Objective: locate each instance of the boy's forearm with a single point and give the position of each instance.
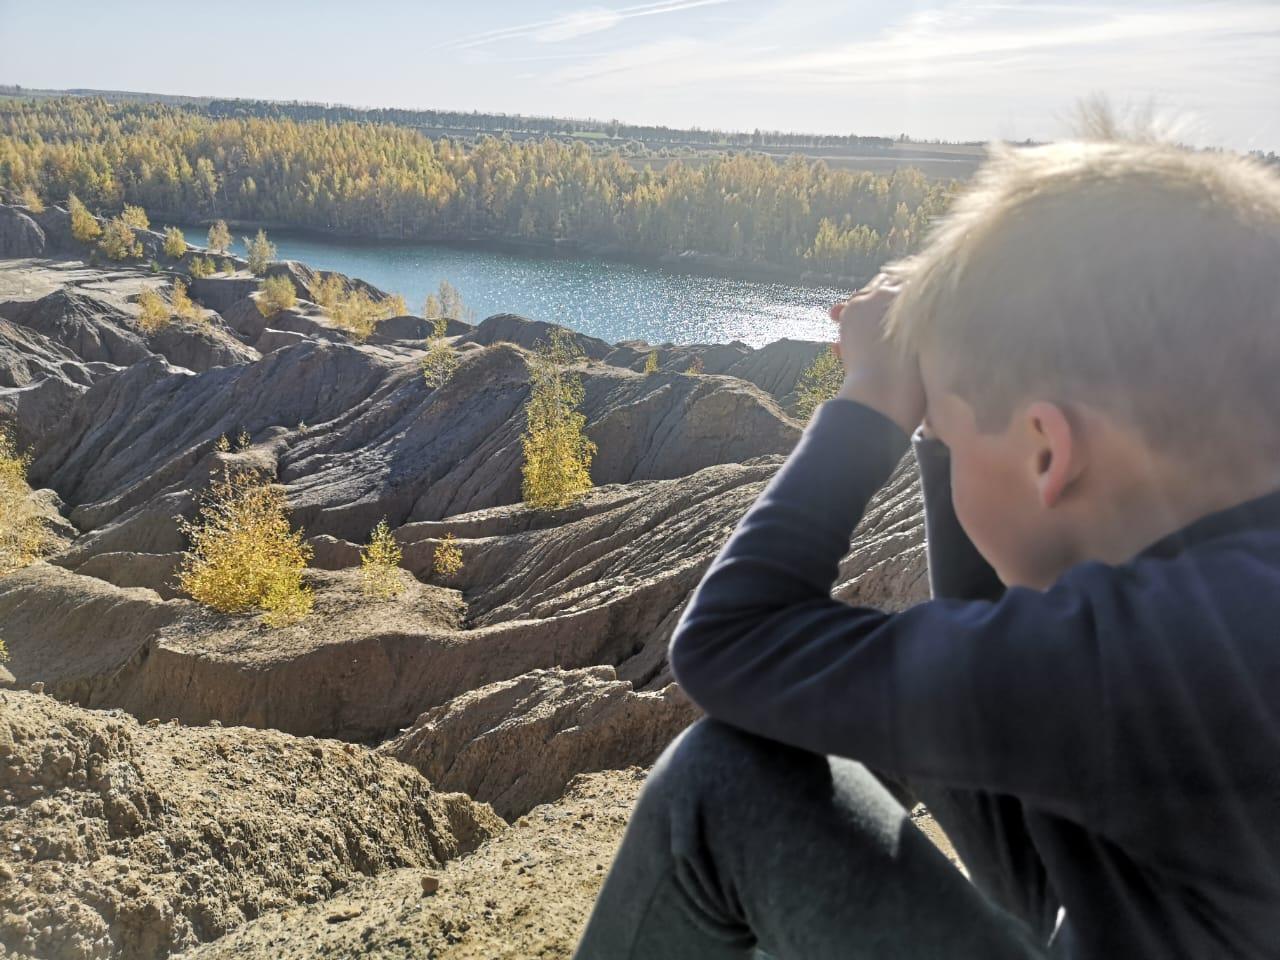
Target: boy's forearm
(788, 546)
(956, 569)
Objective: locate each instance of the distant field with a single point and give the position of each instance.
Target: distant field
(937, 161)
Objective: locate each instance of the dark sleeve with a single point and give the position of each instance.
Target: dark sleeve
(956, 568)
(966, 693)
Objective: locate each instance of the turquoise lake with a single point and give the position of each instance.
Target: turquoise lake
(606, 299)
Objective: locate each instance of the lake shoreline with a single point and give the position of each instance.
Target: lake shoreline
(692, 262)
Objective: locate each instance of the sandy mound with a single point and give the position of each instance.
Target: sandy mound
(526, 893)
(122, 840)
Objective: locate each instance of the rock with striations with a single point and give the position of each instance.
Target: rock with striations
(776, 367)
(27, 356)
(20, 235)
(714, 357)
(513, 328)
(517, 743)
(89, 326)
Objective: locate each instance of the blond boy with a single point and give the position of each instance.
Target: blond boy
(1090, 350)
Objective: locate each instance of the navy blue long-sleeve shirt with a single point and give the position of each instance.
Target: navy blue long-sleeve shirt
(1132, 710)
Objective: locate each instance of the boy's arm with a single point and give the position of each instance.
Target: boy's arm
(1002, 696)
(956, 568)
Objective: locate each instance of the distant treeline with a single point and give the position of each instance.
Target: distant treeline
(481, 122)
(389, 181)
(549, 126)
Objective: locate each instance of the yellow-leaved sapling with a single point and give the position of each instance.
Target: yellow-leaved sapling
(380, 564)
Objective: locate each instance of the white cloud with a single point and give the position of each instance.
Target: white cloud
(579, 23)
(973, 61)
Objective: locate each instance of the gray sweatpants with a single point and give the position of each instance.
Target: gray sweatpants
(743, 847)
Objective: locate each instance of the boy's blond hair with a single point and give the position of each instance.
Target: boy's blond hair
(1134, 276)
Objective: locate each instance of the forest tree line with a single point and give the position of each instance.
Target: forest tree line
(479, 121)
(387, 181)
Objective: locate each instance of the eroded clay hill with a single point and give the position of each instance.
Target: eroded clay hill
(541, 660)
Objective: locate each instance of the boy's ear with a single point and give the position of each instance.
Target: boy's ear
(1058, 455)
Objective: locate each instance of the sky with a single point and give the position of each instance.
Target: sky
(928, 68)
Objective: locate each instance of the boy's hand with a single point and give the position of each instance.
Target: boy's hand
(876, 372)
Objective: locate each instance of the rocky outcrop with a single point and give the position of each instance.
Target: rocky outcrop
(714, 357)
(220, 292)
(90, 327)
(97, 329)
(131, 841)
(513, 328)
(776, 367)
(517, 743)
(27, 356)
(55, 222)
(20, 236)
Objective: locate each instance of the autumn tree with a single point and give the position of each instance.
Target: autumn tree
(820, 381)
(181, 304)
(451, 304)
(219, 239)
(447, 558)
(135, 217)
(30, 198)
(327, 291)
(175, 243)
(118, 241)
(243, 554)
(84, 225)
(261, 252)
(441, 359)
(23, 536)
(153, 311)
(358, 313)
(380, 564)
(275, 294)
(651, 362)
(447, 302)
(557, 454)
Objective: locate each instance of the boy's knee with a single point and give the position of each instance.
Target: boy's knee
(712, 762)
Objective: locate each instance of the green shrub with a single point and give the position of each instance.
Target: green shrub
(441, 359)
